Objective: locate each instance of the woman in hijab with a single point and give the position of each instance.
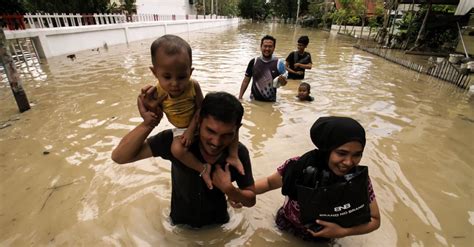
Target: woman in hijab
(339, 145)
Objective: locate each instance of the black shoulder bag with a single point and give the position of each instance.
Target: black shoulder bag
(345, 202)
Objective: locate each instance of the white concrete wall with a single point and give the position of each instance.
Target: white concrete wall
(165, 7)
(52, 42)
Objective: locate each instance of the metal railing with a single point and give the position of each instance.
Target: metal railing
(443, 70)
(19, 21)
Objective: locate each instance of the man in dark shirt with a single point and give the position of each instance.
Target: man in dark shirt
(264, 70)
(298, 61)
(192, 203)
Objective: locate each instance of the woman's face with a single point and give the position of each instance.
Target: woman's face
(343, 158)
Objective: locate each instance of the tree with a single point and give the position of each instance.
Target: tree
(10, 7)
(344, 13)
(288, 8)
(359, 9)
(423, 26)
(374, 20)
(282, 8)
(228, 7)
(317, 9)
(253, 9)
(389, 6)
(353, 20)
(129, 6)
(432, 27)
(60, 6)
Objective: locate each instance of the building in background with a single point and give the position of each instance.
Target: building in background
(369, 4)
(165, 7)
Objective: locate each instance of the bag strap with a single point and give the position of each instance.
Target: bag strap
(294, 173)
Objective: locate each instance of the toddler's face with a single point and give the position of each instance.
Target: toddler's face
(172, 71)
(303, 93)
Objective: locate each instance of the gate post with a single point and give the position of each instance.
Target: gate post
(12, 75)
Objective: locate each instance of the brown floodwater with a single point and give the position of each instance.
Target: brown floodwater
(59, 187)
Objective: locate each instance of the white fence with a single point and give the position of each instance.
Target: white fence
(73, 20)
(57, 41)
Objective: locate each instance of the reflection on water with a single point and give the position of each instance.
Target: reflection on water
(58, 185)
(261, 122)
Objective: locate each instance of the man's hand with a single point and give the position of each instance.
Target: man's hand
(221, 178)
(150, 119)
(235, 162)
(282, 80)
(237, 196)
(150, 100)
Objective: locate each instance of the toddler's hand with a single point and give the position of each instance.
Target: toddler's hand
(187, 138)
(235, 162)
(150, 100)
(206, 176)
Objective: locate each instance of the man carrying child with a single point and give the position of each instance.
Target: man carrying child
(207, 158)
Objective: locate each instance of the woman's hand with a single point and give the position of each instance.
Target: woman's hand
(235, 204)
(330, 230)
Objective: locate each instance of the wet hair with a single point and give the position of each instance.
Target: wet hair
(222, 106)
(303, 40)
(268, 37)
(306, 85)
(171, 45)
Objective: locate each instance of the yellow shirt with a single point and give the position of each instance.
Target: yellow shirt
(179, 110)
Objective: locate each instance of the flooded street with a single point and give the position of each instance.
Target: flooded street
(59, 187)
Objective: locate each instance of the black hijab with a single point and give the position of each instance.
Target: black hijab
(327, 133)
